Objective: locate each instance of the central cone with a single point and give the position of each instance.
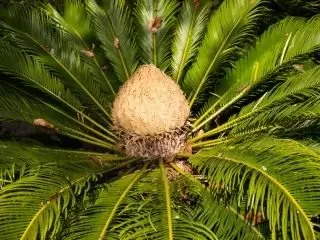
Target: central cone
(151, 114)
(150, 103)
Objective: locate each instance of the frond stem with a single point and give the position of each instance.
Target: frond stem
(198, 125)
(211, 143)
(104, 145)
(35, 217)
(167, 199)
(284, 51)
(86, 136)
(154, 46)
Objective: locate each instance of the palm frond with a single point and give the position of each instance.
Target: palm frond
(33, 73)
(75, 22)
(190, 29)
(274, 174)
(223, 219)
(75, 18)
(57, 53)
(295, 99)
(99, 217)
(265, 61)
(155, 20)
(145, 214)
(17, 104)
(284, 121)
(39, 197)
(114, 29)
(240, 19)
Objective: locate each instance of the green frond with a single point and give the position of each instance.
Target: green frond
(225, 220)
(146, 215)
(276, 176)
(281, 49)
(51, 183)
(114, 28)
(251, 166)
(36, 35)
(33, 73)
(155, 20)
(294, 101)
(190, 29)
(282, 120)
(76, 24)
(305, 41)
(221, 41)
(20, 105)
(98, 218)
(75, 17)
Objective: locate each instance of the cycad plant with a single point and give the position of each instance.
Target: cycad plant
(197, 121)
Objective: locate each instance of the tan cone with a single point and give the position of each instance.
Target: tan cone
(150, 103)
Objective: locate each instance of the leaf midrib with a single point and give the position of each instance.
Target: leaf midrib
(167, 199)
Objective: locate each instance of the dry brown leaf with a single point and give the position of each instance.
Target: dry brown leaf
(196, 3)
(104, 68)
(87, 53)
(200, 133)
(116, 43)
(188, 148)
(155, 24)
(255, 218)
(39, 122)
(96, 160)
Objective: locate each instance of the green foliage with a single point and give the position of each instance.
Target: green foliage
(221, 42)
(155, 20)
(254, 170)
(267, 172)
(117, 41)
(191, 25)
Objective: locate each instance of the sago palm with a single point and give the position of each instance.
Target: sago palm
(197, 121)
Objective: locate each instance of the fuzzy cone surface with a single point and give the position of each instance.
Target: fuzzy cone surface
(150, 103)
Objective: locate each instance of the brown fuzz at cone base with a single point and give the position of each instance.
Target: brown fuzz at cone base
(151, 113)
(165, 145)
